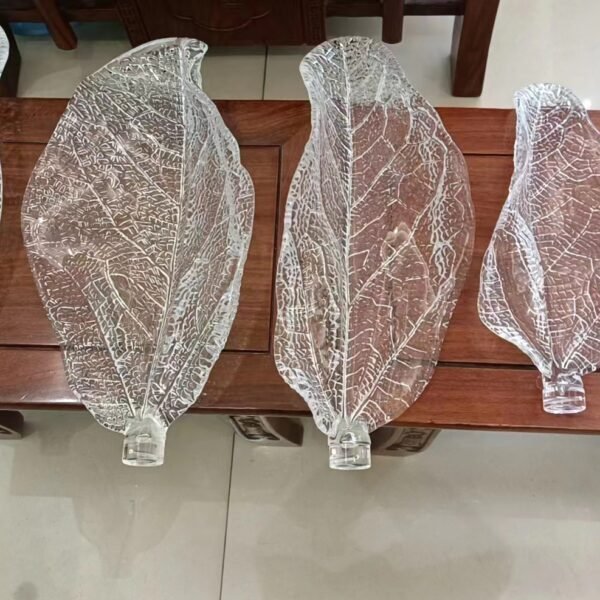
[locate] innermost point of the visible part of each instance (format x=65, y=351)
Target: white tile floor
x=478, y=516
x=536, y=40
x=76, y=524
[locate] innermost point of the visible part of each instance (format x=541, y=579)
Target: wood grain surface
x=482, y=381
x=22, y=317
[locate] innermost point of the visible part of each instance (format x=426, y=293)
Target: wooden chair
x=473, y=27
x=269, y=22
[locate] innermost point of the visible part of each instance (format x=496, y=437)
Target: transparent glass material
x=376, y=245
x=137, y=221
x=540, y=284
x=4, y=50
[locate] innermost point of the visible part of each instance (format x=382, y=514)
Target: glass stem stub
x=144, y=444
x=350, y=448
x=564, y=394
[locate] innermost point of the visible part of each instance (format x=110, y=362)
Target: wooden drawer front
x=225, y=21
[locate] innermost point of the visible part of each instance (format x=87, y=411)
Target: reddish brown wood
x=487, y=131
x=467, y=339
x=131, y=17
x=22, y=318
x=313, y=15
x=470, y=46
x=482, y=382
x=373, y=8
x=268, y=22
x=392, y=21
x=248, y=383
x=251, y=329
x=434, y=7
x=364, y=8
x=32, y=121
x=73, y=13
x=218, y=23
x=9, y=81
x=253, y=122
x=64, y=4
x=58, y=25
x=129, y=12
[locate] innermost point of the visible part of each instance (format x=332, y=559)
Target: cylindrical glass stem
x=350, y=449
x=564, y=394
x=144, y=444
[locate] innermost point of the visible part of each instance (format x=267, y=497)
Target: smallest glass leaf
x=540, y=279
x=137, y=221
x=377, y=242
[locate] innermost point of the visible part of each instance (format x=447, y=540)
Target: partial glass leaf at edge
x=539, y=280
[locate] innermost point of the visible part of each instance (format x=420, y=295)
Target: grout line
x=264, y=85
x=233, y=436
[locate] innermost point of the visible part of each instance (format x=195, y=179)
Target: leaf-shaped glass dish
x=377, y=242
x=540, y=284
x=137, y=221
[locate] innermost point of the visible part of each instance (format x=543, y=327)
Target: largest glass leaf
x=377, y=241
x=137, y=220
x=540, y=284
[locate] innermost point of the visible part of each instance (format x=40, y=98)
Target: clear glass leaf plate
x=540, y=285
x=377, y=242
x=137, y=221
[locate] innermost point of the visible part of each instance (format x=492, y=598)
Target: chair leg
x=393, y=19
x=401, y=441
x=470, y=45
x=60, y=29
x=131, y=17
x=9, y=80
x=271, y=431
x=11, y=424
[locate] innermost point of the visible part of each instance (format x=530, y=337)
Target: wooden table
x=481, y=382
